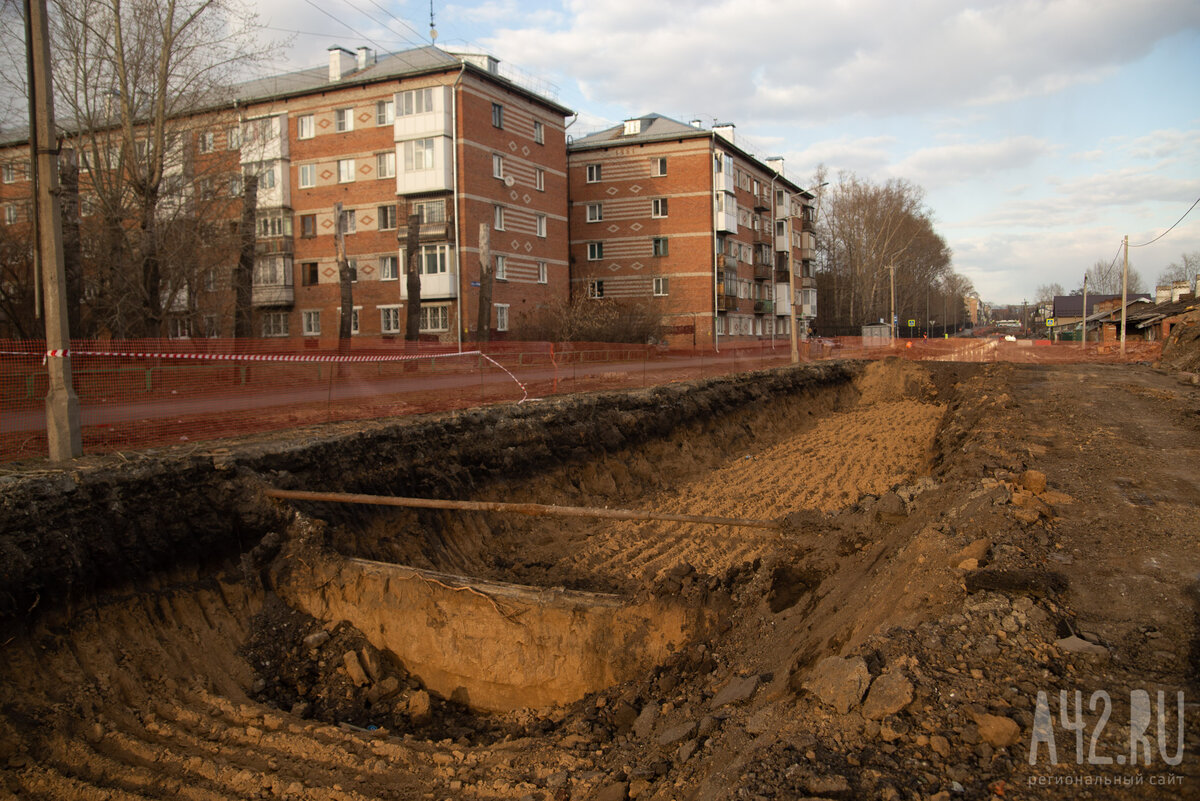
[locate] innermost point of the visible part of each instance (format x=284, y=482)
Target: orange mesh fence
x=143, y=393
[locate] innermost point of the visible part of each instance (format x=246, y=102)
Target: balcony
x=726, y=262
x=764, y=306
x=273, y=245
x=762, y=202
x=782, y=276
x=807, y=225
x=263, y=295
x=439, y=286
x=762, y=271
x=762, y=236
x=727, y=302
x=427, y=232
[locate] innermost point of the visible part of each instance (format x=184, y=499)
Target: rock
x=354, y=668
x=838, y=682
x=420, y=707
x=939, y=745
x=735, y=692
x=893, y=727
x=889, y=693
x=1033, y=480
x=890, y=505
x=677, y=733
x=617, y=791
x=368, y=657
x=997, y=731
x=977, y=550
x=686, y=750
x=646, y=720
x=968, y=564
x=316, y=640
x=623, y=716
x=1078, y=645
x=708, y=725
x=1027, y=516
x=827, y=785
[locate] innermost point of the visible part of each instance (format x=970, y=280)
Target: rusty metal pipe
x=532, y=509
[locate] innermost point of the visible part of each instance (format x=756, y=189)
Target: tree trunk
x=68, y=176
x=243, y=274
x=152, y=308
x=483, y=326
x=412, y=279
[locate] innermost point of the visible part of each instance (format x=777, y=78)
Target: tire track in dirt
x=846, y=455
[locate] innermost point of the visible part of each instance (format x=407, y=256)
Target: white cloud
x=934, y=167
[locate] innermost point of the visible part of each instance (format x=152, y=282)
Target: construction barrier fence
x=136, y=394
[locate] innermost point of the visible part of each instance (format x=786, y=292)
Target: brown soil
x=947, y=525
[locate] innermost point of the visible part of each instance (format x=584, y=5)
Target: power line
x=1169, y=230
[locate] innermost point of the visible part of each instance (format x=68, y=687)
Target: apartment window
x=10, y=214
x=593, y=173
x=497, y=165
x=343, y=120
x=431, y=259
x=497, y=115
x=595, y=251
x=498, y=218
x=780, y=229
x=311, y=322
x=415, y=101
x=354, y=319
x=658, y=207
x=179, y=328
x=308, y=176
x=430, y=211
x=435, y=318
x=275, y=324
x=501, y=316
x=385, y=112
x=233, y=138
x=235, y=186
x=385, y=165
x=418, y=155
x=345, y=171
x=543, y=276
x=274, y=225
x=352, y=268
x=308, y=226
x=595, y=212
x=310, y=274
x=658, y=166
x=539, y=179
x=205, y=142
x=596, y=288
x=348, y=221
x=387, y=217
x=305, y=128
x=539, y=133
x=501, y=268
x=540, y=220
x=660, y=245
x=389, y=268
x=661, y=286
x=389, y=319
x=211, y=329
x=266, y=176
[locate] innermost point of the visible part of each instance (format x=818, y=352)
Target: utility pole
x=1124, y=292
x=893, y=321
x=63, y=434
x=1083, y=338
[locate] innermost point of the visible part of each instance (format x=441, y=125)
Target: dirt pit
x=319, y=651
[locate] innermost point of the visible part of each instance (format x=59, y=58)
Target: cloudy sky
x=1042, y=131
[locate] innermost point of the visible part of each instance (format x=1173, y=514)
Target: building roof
x=1072, y=305
x=658, y=128
x=1160, y=311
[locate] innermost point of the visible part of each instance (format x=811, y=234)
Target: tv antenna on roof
x=432, y=26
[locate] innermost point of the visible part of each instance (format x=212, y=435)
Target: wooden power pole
x=63, y=434
x=483, y=323
x=412, y=279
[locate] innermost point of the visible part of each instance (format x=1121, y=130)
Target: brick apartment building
x=681, y=216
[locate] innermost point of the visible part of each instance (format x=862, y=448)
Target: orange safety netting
x=142, y=393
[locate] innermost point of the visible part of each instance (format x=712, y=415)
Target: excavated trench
x=170, y=631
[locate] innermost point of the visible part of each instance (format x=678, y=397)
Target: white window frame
x=310, y=322
x=386, y=262
x=595, y=251
x=343, y=120
x=501, y=316
x=385, y=112
x=501, y=268
x=419, y=155
x=661, y=286
x=539, y=132
x=497, y=218
x=233, y=138
x=543, y=273
x=498, y=166
x=415, y=101
x=655, y=250
x=345, y=169
x=389, y=314
x=205, y=143
x=442, y=310
x=10, y=214
x=658, y=166
x=594, y=173
x=307, y=176
x=595, y=212
x=386, y=215
x=595, y=288
x=270, y=324
x=658, y=207
x=385, y=164
x=540, y=223
x=498, y=116
x=355, y=318
x=306, y=127
x=539, y=179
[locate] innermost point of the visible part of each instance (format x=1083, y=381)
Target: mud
x=261, y=649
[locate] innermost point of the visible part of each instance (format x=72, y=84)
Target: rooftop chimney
x=341, y=63
x=725, y=131
x=776, y=164
x=697, y=123
x=365, y=58
x=1162, y=293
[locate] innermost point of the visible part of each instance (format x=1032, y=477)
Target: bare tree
x=1046, y=293
x=1186, y=269
x=1104, y=278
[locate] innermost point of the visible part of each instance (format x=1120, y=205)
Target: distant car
x=1009, y=338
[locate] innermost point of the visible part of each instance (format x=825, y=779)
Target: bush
x=591, y=320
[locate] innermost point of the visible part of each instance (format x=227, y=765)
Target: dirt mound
x=1181, y=351
x=894, y=379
